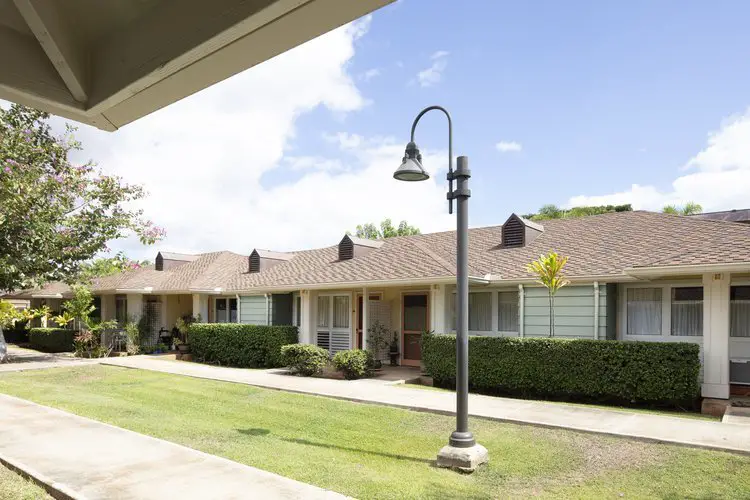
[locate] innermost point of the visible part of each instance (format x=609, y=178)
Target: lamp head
x=411, y=169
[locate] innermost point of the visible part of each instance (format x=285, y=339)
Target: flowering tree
x=106, y=266
x=55, y=215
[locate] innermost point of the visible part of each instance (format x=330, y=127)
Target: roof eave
x=684, y=270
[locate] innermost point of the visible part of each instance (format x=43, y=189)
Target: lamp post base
x=463, y=459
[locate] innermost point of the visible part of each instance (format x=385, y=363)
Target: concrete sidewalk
x=20, y=359
x=84, y=459
x=685, y=431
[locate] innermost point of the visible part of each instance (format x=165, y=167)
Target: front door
x=416, y=320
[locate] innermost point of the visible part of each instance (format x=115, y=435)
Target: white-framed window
x=491, y=312
x=644, y=309
x=121, y=309
x=323, y=310
x=296, y=310
x=226, y=310
x=739, y=311
x=662, y=311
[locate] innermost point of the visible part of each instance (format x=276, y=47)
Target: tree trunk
x=551, y=315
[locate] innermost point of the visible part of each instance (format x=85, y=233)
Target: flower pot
x=394, y=358
x=183, y=348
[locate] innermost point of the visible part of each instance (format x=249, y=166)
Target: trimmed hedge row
x=601, y=370
x=52, y=339
x=245, y=346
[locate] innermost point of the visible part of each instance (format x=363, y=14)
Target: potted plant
x=393, y=351
x=181, y=341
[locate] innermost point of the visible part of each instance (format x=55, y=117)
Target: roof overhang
x=653, y=272
x=606, y=278
x=438, y=280
x=108, y=63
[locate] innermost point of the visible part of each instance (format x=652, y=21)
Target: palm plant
x=689, y=208
x=548, y=270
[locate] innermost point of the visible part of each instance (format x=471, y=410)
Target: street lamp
x=462, y=451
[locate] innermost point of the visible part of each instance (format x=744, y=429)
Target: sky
x=571, y=103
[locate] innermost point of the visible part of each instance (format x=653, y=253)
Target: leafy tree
x=549, y=273
x=553, y=212
x=81, y=305
x=689, y=208
x=371, y=232
x=55, y=215
x=106, y=266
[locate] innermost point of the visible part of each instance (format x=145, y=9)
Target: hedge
x=52, y=339
x=304, y=359
x=594, y=370
x=354, y=364
x=245, y=346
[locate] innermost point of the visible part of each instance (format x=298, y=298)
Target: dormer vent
x=260, y=260
x=351, y=247
x=519, y=232
x=167, y=260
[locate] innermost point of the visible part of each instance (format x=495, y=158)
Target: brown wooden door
x=415, y=316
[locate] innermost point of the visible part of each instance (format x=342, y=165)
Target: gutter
x=607, y=278
x=658, y=271
x=359, y=284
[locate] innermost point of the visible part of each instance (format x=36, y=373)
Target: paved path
x=687, y=431
x=20, y=359
x=85, y=459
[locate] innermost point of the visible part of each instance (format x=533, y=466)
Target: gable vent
x=254, y=262
x=351, y=247
x=260, y=260
x=159, y=262
x=518, y=232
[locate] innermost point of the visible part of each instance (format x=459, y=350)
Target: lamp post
x=462, y=451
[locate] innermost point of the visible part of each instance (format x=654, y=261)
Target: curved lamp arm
x=450, y=146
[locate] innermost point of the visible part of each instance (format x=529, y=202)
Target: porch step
x=736, y=415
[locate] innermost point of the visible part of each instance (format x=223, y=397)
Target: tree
x=371, y=232
x=55, y=215
x=549, y=273
x=689, y=208
x=107, y=266
x=553, y=212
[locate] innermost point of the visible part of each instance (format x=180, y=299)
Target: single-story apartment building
x=639, y=276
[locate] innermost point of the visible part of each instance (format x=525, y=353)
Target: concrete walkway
x=84, y=459
x=20, y=359
x=685, y=431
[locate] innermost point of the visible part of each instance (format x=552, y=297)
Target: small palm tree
x=549, y=273
x=689, y=208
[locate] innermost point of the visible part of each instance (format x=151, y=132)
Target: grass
x=628, y=409
x=369, y=451
x=16, y=487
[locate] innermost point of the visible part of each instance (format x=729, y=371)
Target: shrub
x=597, y=370
x=16, y=333
x=52, y=339
x=245, y=346
x=355, y=364
x=304, y=359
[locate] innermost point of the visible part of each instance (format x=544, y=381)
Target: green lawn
x=368, y=451
x=16, y=487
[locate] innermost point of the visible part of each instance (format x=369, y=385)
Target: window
x=507, y=311
x=687, y=311
x=644, y=311
x=226, y=310
x=480, y=311
x=341, y=311
x=298, y=311
x=121, y=309
x=739, y=311
x=323, y=306
x=96, y=314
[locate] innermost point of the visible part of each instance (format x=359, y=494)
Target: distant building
x=736, y=215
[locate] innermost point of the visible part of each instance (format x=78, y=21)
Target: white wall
x=716, y=335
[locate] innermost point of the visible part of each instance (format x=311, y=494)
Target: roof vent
x=167, y=260
x=351, y=247
x=261, y=260
x=518, y=232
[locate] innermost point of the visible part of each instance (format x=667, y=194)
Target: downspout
x=596, y=310
x=268, y=309
x=520, y=310
x=239, y=308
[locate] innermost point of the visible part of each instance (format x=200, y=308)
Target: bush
x=355, y=364
x=304, y=359
x=245, y=346
x=595, y=370
x=52, y=339
x=17, y=333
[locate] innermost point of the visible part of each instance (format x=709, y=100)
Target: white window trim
x=666, y=312
x=229, y=315
x=740, y=282
x=330, y=328
x=494, y=332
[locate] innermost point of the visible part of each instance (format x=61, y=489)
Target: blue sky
x=590, y=99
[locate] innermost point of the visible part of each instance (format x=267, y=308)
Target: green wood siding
x=574, y=312
x=253, y=309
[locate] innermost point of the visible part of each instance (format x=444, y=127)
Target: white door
x=334, y=330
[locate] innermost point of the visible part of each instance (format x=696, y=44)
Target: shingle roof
x=597, y=246
x=736, y=215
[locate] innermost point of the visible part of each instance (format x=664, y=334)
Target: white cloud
x=434, y=74
x=370, y=74
x=203, y=159
x=509, y=146
x=718, y=176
